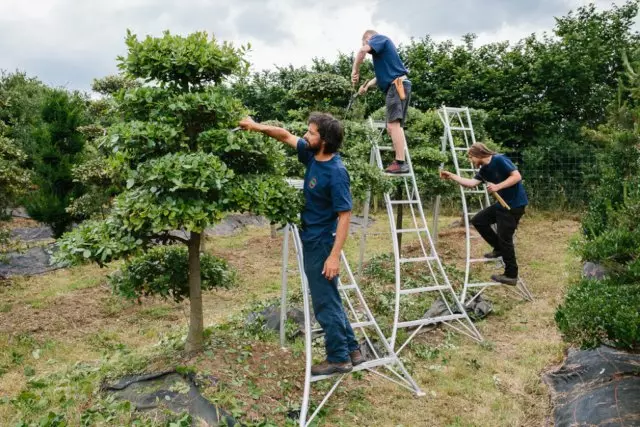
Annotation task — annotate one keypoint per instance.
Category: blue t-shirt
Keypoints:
(499, 169)
(326, 192)
(386, 62)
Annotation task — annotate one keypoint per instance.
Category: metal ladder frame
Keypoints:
(431, 259)
(446, 115)
(389, 360)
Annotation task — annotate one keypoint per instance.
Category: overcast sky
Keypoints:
(71, 42)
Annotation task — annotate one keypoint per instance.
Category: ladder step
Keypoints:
(425, 289)
(362, 324)
(484, 284)
(455, 109)
(379, 124)
(365, 365)
(347, 287)
(468, 170)
(385, 148)
(484, 259)
(418, 259)
(431, 320)
(471, 213)
(474, 191)
(404, 202)
(460, 128)
(398, 174)
(460, 148)
(412, 230)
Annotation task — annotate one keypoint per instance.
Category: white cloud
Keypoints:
(70, 42)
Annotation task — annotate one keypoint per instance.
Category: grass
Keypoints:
(63, 333)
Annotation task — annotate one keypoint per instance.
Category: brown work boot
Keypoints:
(396, 167)
(511, 281)
(357, 357)
(328, 368)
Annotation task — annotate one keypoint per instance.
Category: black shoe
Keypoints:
(493, 254)
(511, 281)
(357, 357)
(328, 368)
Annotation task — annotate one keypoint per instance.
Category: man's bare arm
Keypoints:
(359, 59)
(275, 132)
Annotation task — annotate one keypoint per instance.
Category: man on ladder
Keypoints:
(502, 176)
(325, 227)
(391, 77)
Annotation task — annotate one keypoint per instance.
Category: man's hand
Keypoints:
(363, 89)
(331, 267)
(493, 188)
(355, 77)
(247, 124)
(446, 174)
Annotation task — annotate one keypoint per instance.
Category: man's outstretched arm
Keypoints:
(275, 132)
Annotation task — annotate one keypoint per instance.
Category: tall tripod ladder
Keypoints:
(360, 318)
(438, 282)
(458, 120)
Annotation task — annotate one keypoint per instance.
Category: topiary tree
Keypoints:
(185, 169)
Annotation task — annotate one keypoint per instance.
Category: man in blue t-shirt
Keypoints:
(325, 226)
(502, 177)
(391, 78)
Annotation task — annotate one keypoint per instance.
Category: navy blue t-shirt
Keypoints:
(326, 192)
(499, 169)
(386, 62)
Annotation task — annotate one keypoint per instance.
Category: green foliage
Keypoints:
(14, 179)
(164, 271)
(59, 147)
(110, 85)
(606, 311)
(596, 312)
(322, 92)
(182, 61)
(100, 241)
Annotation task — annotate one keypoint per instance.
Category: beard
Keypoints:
(314, 150)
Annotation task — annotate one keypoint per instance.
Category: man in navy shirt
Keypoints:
(502, 177)
(391, 78)
(325, 226)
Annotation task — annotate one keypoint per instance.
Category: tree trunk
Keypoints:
(195, 339)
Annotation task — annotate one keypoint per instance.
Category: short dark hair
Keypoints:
(330, 130)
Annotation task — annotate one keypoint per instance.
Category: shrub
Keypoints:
(164, 271)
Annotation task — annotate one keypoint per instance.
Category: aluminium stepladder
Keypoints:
(459, 120)
(437, 279)
(360, 317)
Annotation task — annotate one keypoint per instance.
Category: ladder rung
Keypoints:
(418, 259)
(484, 259)
(364, 365)
(471, 213)
(398, 174)
(347, 287)
(455, 109)
(460, 148)
(362, 324)
(412, 230)
(460, 128)
(483, 284)
(379, 124)
(467, 170)
(385, 148)
(431, 320)
(425, 289)
(404, 202)
(474, 191)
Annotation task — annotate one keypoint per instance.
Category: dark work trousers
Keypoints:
(339, 339)
(502, 241)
